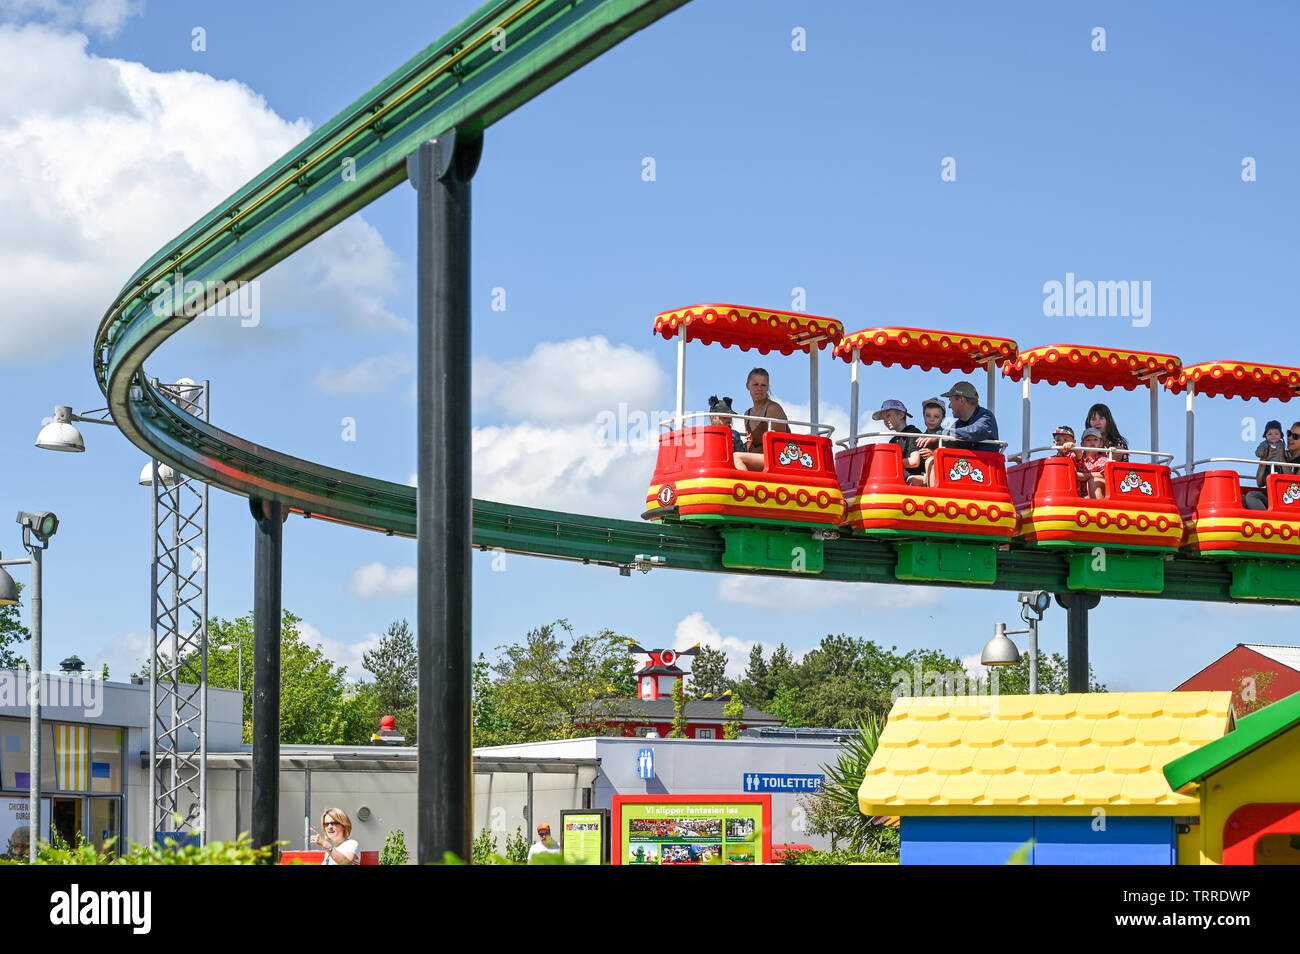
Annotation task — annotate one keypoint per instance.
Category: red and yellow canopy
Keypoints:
(928, 350)
(759, 328)
(1092, 367)
(1268, 382)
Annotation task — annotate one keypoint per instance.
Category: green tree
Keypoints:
(755, 685)
(395, 665)
(1053, 677)
(555, 685)
(12, 633)
(709, 674)
(317, 705)
(679, 710)
(734, 710)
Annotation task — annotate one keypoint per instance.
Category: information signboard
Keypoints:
(692, 829)
(584, 836)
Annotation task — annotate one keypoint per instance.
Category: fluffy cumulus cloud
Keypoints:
(105, 160)
(580, 427)
(124, 655)
(799, 594)
(566, 381)
(349, 655)
(369, 376)
(104, 17)
(696, 629)
(374, 581)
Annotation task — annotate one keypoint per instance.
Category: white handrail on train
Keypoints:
(1108, 451)
(668, 423)
(1236, 460)
(939, 437)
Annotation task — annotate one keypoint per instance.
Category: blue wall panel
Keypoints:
(1062, 840)
(944, 840)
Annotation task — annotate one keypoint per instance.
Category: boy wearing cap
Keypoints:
(1063, 440)
(894, 413)
(974, 424)
(544, 845)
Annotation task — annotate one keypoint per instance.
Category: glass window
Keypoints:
(705, 733)
(105, 821)
(105, 760)
(16, 757)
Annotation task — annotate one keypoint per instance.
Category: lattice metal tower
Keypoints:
(178, 685)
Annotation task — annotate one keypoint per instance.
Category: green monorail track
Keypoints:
(499, 58)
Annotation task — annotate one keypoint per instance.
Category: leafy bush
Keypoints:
(237, 852)
(837, 856)
(517, 846)
(395, 852)
(483, 848)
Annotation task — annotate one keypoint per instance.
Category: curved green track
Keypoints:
(500, 57)
(497, 59)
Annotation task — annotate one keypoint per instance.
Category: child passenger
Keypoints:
(1094, 462)
(1063, 440)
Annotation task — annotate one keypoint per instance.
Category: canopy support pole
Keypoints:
(1024, 413)
(1153, 382)
(681, 375)
(1191, 421)
(991, 364)
(812, 385)
(853, 397)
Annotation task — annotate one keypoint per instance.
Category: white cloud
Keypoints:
(374, 581)
(696, 629)
(341, 654)
(105, 17)
(569, 468)
(805, 594)
(370, 376)
(106, 160)
(570, 381)
(1256, 611)
(124, 655)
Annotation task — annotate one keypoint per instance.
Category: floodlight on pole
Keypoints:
(166, 475)
(1001, 651)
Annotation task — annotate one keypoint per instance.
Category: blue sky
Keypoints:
(775, 170)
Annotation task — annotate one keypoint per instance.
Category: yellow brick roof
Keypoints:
(1039, 755)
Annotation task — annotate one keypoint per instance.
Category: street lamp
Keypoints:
(42, 525)
(61, 434)
(1001, 651)
(239, 646)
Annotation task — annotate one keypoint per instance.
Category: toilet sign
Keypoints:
(645, 761)
(762, 782)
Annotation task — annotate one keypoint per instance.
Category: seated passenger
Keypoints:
(894, 414)
(720, 411)
(1063, 440)
(1099, 417)
(1094, 463)
(974, 426)
(933, 411)
(1258, 499)
(764, 406)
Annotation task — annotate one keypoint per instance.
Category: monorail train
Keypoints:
(977, 499)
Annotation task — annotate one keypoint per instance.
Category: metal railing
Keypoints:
(1156, 456)
(673, 422)
(1257, 462)
(940, 438)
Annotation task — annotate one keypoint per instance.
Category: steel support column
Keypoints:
(1076, 606)
(440, 171)
(267, 568)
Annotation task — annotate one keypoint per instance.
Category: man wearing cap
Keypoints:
(894, 413)
(973, 427)
(545, 844)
